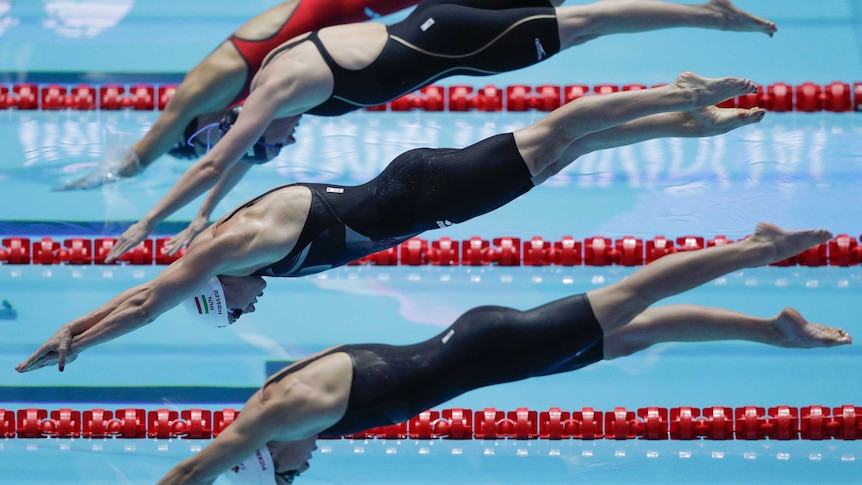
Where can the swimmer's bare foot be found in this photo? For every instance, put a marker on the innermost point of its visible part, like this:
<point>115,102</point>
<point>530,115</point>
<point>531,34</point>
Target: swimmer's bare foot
<point>711,121</point>
<point>731,18</point>
<point>778,244</point>
<point>797,332</point>
<point>710,91</point>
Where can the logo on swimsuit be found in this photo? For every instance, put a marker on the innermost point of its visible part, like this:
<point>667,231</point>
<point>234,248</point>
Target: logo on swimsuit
<point>442,224</point>
<point>540,51</point>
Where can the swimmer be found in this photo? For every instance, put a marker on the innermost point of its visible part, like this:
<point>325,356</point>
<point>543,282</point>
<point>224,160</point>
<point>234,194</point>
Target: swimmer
<point>303,228</point>
<point>351,388</point>
<point>343,68</point>
<point>223,78</point>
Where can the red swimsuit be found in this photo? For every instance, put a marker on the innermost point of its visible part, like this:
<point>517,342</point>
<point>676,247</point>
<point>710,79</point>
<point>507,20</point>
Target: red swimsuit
<point>311,15</point>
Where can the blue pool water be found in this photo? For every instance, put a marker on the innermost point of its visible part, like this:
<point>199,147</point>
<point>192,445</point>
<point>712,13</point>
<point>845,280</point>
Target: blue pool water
<point>797,170</point>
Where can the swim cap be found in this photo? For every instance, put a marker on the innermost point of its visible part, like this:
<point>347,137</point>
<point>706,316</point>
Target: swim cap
<point>257,469</point>
<point>259,153</point>
<point>208,305</point>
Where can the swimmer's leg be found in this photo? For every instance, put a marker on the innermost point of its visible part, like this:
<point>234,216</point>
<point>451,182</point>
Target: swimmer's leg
<point>581,23</point>
<point>548,141</point>
<point>709,121</point>
<point>691,323</point>
<point>619,303</point>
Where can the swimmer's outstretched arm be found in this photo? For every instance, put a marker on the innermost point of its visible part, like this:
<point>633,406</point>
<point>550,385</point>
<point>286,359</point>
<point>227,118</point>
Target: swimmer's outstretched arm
<point>165,132</point>
<point>294,409</point>
<point>56,349</point>
<point>202,219</point>
<point>208,171</point>
<point>206,90</point>
<point>133,308</point>
<point>236,442</point>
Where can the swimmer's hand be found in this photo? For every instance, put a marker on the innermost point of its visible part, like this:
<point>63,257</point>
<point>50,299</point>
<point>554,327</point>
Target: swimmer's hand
<point>94,179</point>
<point>133,236</point>
<point>106,173</point>
<point>185,237</point>
<point>55,351</point>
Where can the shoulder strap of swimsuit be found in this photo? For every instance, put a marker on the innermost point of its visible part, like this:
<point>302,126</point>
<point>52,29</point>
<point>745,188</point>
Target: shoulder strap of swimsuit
<point>315,39</point>
<point>312,36</point>
<point>254,201</point>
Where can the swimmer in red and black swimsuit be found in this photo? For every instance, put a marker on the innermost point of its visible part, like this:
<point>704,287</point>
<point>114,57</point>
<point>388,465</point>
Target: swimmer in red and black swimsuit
<point>307,16</point>
<point>351,388</point>
<point>346,67</point>
<point>223,78</point>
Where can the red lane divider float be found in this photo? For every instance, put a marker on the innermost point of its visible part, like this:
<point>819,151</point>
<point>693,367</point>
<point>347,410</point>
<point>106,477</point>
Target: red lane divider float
<point>807,97</point>
<point>649,423</point>
<point>842,250</point>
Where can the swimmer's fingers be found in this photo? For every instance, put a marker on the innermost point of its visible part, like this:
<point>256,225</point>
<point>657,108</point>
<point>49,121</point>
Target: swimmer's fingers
<point>61,357</point>
<point>80,184</point>
<point>65,356</point>
<point>185,237</point>
<point>175,244</point>
<point>40,358</point>
<point>29,364</point>
<point>96,178</point>
<point>120,248</point>
<point>48,360</point>
<point>53,351</point>
<point>77,184</point>
<point>131,238</point>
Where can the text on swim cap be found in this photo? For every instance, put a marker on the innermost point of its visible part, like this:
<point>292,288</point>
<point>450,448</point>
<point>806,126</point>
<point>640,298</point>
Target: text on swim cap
<point>207,303</point>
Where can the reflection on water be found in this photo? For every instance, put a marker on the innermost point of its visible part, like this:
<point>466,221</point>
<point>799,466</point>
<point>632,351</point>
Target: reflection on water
<point>795,169</point>
<point>7,20</point>
<point>84,18</point>
<point>785,149</point>
<point>72,19</point>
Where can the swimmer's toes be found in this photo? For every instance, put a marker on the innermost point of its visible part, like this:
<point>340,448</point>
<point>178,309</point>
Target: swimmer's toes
<point>752,115</point>
<point>798,332</point>
<point>746,86</point>
<point>732,18</point>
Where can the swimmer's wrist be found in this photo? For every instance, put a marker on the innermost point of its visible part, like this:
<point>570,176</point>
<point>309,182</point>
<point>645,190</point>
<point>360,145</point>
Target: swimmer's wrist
<point>148,222</point>
<point>137,161</point>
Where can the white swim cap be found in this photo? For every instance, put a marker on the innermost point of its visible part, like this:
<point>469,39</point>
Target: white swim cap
<point>257,469</point>
<point>208,305</point>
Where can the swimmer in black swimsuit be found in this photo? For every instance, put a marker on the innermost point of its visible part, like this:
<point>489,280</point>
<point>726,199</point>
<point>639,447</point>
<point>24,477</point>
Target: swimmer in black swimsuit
<point>301,229</point>
<point>351,388</point>
<point>223,79</point>
<point>343,68</point>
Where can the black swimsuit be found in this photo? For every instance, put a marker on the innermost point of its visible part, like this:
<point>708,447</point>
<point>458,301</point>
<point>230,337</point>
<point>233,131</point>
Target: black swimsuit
<point>485,346</point>
<point>420,190</point>
<point>442,38</point>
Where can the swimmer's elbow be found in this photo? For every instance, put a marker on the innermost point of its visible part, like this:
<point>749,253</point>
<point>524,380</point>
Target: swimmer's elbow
<point>146,309</point>
<point>212,169</point>
<point>145,315</point>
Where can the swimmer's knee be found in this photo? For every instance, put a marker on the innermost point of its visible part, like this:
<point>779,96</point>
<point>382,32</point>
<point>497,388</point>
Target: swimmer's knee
<point>623,342</point>
<point>580,23</point>
<point>542,144</point>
